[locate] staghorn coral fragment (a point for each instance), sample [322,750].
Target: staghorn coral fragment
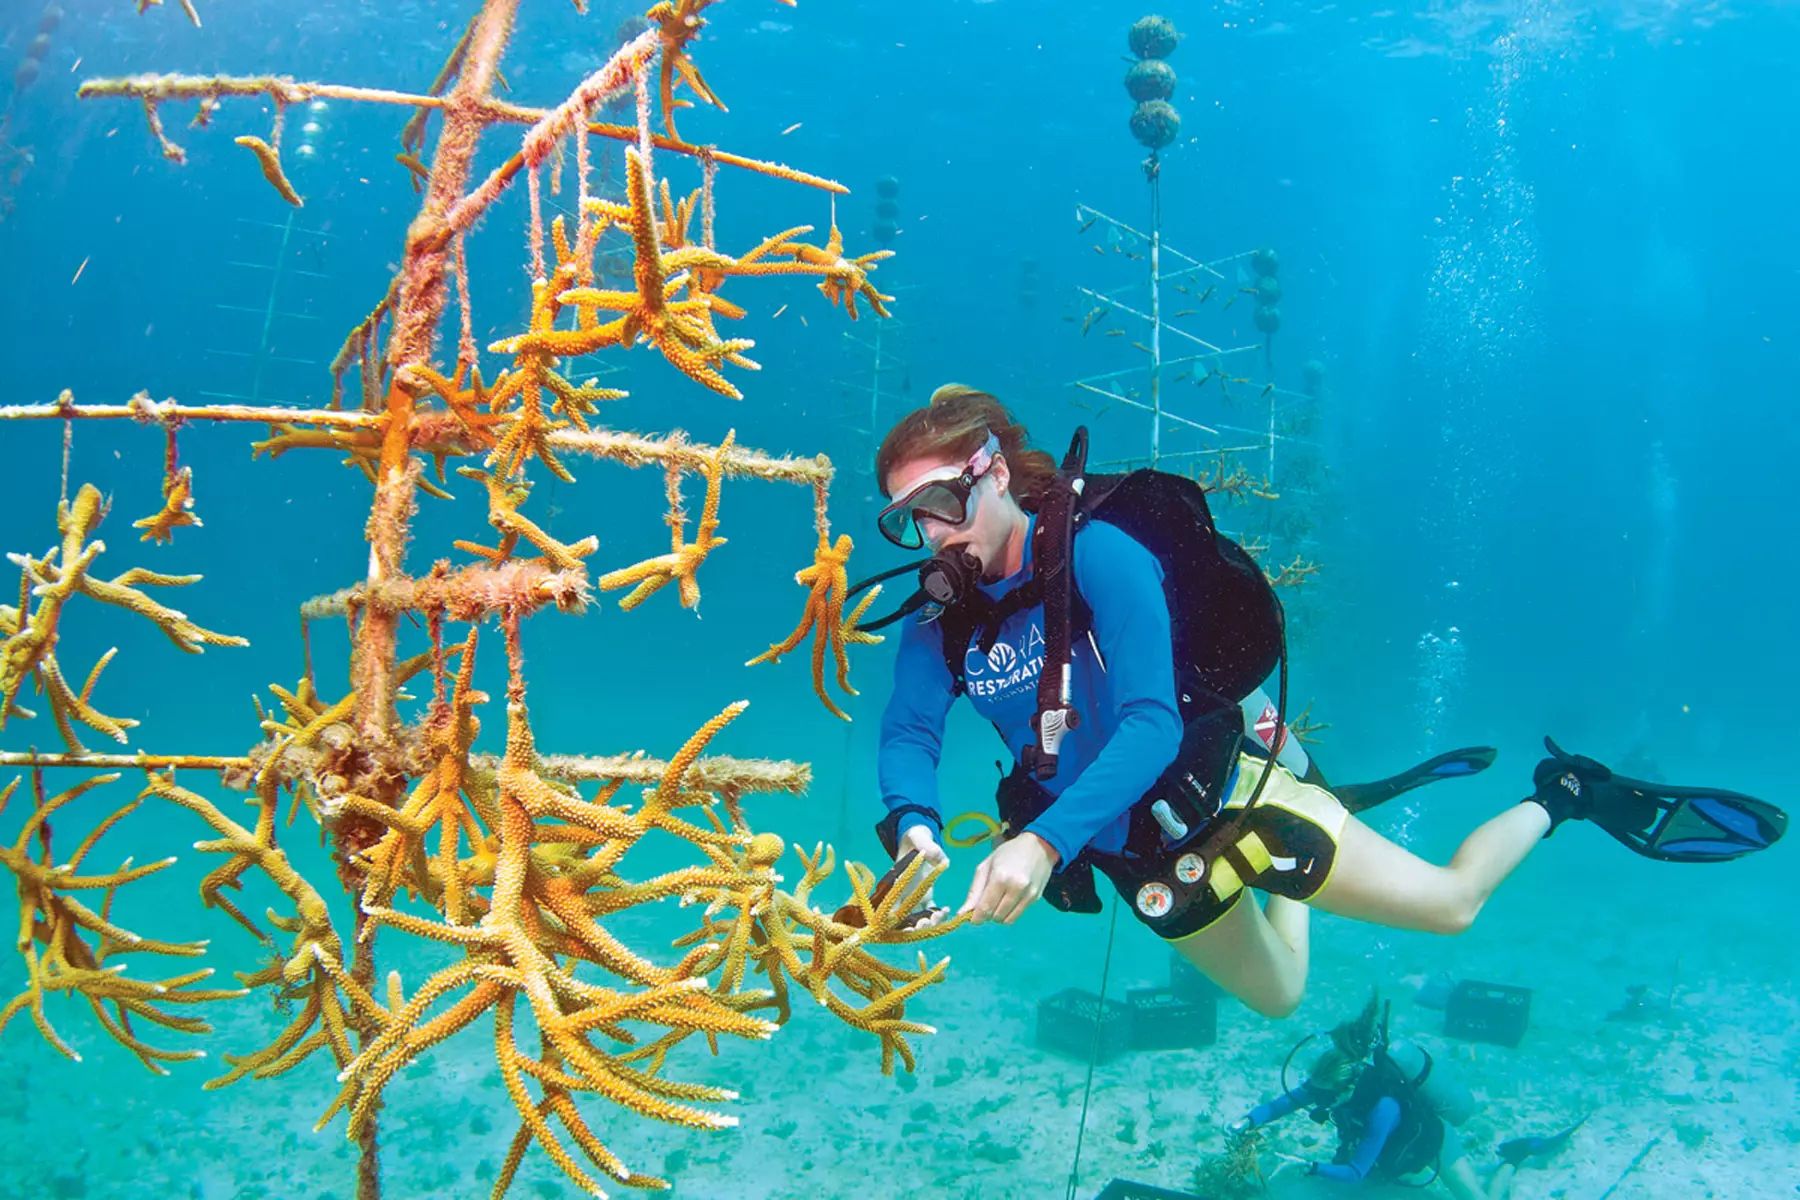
[187,6]
[513,952]
[504,499]
[827,581]
[270,161]
[177,510]
[684,558]
[313,971]
[679,23]
[845,278]
[62,573]
[1294,574]
[68,947]
[770,925]
[453,797]
[681,328]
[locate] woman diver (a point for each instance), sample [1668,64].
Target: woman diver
[1141,768]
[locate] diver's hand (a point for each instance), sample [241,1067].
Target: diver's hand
[921,839]
[1010,879]
[1292,1167]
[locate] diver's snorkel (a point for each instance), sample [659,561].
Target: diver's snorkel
[945,578]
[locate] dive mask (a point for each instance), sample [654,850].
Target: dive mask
[942,495]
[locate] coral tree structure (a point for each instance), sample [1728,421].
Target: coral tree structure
[502,860]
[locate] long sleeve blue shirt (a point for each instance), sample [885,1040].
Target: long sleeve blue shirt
[1384,1118]
[1123,681]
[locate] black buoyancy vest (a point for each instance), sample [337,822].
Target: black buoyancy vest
[1225,620]
[1417,1139]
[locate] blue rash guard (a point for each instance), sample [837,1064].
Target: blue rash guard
[1130,729]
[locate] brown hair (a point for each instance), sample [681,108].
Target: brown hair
[954,425]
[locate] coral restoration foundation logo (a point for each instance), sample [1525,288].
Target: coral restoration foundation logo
[1010,667]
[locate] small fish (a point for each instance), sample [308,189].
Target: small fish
[1240,379]
[791,128]
[1129,254]
[1096,249]
[1207,294]
[1088,226]
[1266,391]
[80,269]
[1142,347]
[1094,317]
[1249,291]
[1229,303]
[1187,312]
[1115,333]
[1183,376]
[779,311]
[1202,381]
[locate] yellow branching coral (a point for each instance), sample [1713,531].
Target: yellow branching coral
[68,946]
[845,278]
[680,328]
[269,159]
[770,926]
[312,971]
[684,558]
[678,23]
[828,581]
[539,911]
[361,449]
[177,510]
[187,6]
[54,579]
[516,864]
[504,499]
[453,798]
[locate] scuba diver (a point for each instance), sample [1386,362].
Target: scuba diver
[1400,1120]
[1111,634]
[1333,1073]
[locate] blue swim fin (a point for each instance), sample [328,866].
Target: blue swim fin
[1521,1150]
[1657,820]
[1360,797]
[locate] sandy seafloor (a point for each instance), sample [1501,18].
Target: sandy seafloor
[1713,1077]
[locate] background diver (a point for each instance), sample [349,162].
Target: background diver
[1114,673]
[1397,1112]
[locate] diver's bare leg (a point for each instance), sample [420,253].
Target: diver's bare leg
[1292,923]
[1379,881]
[1246,954]
[1459,1180]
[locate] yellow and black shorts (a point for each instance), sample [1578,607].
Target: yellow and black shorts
[1286,846]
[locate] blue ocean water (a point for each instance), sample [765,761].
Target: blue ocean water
[1542,255]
